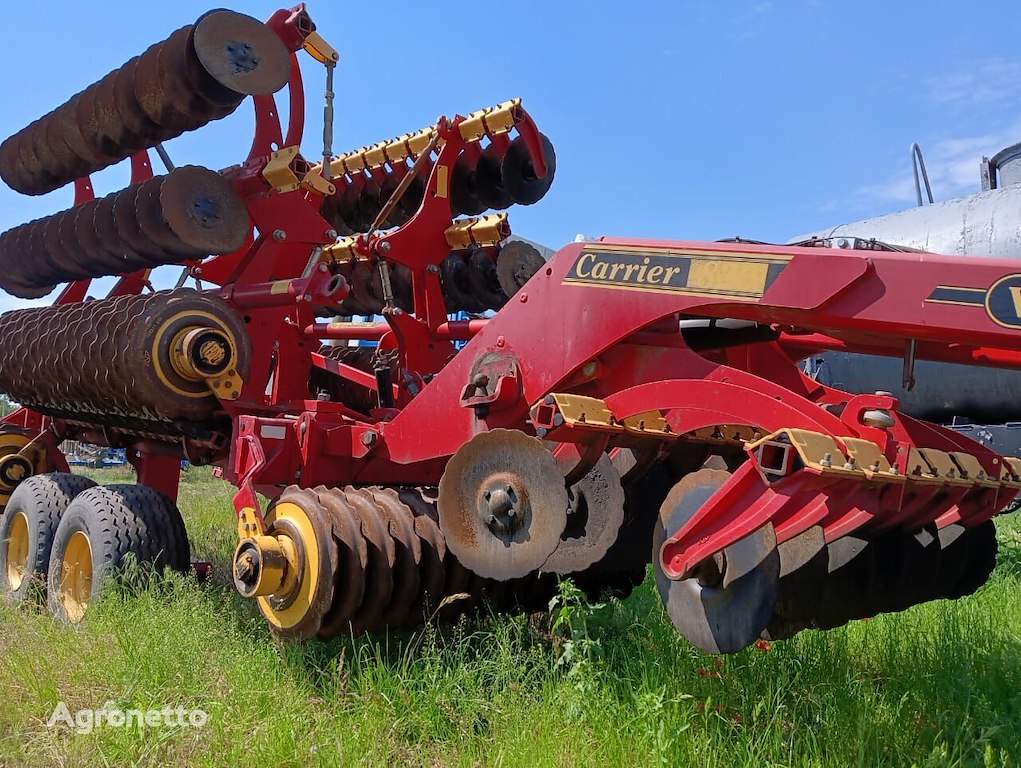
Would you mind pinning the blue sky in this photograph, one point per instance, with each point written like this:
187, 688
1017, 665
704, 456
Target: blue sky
688, 120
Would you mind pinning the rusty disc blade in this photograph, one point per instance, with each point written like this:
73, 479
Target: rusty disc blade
241, 53
60, 264
222, 99
714, 617
502, 504
408, 551
127, 259
379, 576
516, 263
152, 97
173, 61
134, 124
204, 210
594, 517
149, 214
518, 173
353, 559
126, 223
111, 134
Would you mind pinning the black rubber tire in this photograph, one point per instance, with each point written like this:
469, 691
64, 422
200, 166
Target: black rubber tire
41, 499
118, 521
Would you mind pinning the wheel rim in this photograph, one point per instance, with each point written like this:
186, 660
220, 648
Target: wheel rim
76, 576
17, 551
287, 611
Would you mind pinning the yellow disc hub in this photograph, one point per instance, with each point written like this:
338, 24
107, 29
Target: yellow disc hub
76, 576
17, 551
294, 535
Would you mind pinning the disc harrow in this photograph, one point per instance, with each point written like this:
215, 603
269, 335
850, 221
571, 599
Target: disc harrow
621, 403
200, 73
158, 357
495, 178
474, 280
186, 215
391, 568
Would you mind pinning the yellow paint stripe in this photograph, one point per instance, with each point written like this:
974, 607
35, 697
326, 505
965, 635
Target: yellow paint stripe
727, 276
442, 181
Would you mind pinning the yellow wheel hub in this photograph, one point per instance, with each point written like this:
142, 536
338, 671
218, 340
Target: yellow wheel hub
287, 519
17, 551
76, 576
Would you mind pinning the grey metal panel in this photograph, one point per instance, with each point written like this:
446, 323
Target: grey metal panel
984, 224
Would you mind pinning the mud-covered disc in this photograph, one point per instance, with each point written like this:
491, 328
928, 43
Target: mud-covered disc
715, 617
516, 263
502, 504
594, 517
204, 210
241, 53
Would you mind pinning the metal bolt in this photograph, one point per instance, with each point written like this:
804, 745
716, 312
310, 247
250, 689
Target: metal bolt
279, 235
883, 393
848, 465
827, 460
384, 246
432, 269
369, 438
589, 369
331, 234
323, 268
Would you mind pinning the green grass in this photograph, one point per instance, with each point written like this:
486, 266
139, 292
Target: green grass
937, 685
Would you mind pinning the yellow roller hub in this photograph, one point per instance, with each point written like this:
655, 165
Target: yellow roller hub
12, 443
284, 611
76, 576
17, 551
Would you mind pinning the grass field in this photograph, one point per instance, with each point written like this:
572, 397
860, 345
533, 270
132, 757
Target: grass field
937, 685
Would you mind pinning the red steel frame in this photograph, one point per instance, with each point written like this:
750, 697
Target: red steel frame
616, 341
